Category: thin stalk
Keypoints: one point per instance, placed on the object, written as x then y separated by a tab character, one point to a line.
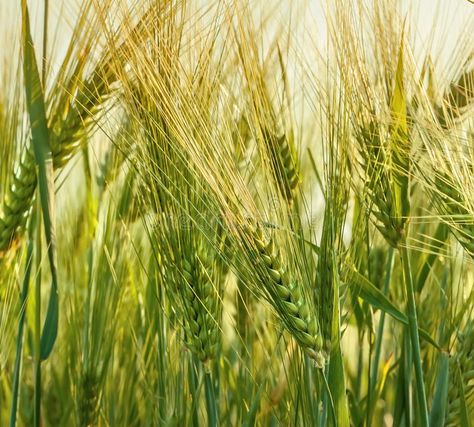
37	323
212	414
407	375
379	335
327	399
193	385
309	389
360	367
414	338
161	338
402	405
21	324
45	43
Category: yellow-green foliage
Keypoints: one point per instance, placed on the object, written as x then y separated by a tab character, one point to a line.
236	213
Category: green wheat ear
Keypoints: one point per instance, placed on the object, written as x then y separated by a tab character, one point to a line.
287	296
201	302
66	137
454	207
87	399
284	165
379	183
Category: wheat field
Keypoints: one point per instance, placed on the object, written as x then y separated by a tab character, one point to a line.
236	213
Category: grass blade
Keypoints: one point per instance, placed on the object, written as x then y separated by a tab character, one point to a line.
40	140
372	295
21	323
440	399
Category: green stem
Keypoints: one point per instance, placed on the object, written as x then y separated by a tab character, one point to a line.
414	338
212	414
45	43
407	385
37	339
402	411
360	367
21	324
379	335
309	390
161	338
328	402
193	385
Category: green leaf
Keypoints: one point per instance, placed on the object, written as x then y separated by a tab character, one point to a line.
337	387
41	146
464	412
440	399
372	295
400	144
252	413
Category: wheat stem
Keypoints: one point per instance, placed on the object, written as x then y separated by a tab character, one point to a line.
21	325
37	323
212	410
414	338
380	329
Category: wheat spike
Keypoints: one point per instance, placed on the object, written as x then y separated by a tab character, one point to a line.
455	209
201	304
66	137
378	180
288	298
284	166
87	400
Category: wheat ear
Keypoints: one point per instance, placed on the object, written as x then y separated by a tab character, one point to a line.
283	163
378	180
66	137
455	209
88	399
287	297
201	305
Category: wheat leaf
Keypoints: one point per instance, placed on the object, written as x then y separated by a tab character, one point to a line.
400	140
440	399
44	162
373	296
